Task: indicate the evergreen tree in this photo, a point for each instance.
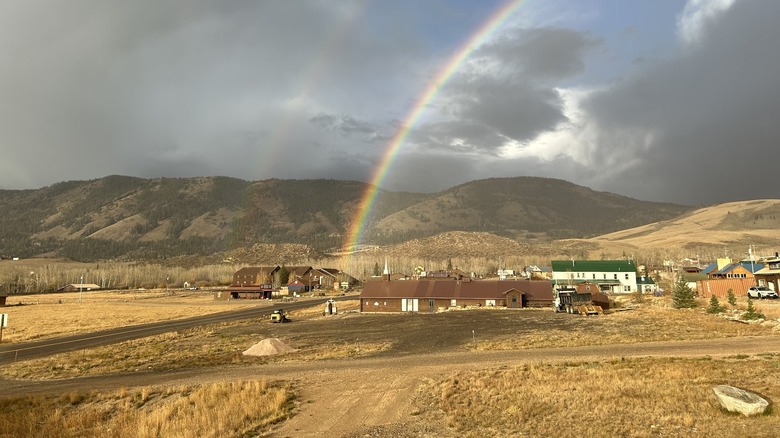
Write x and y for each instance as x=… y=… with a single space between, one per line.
x=449 y=264
x=284 y=275
x=715 y=306
x=682 y=295
x=751 y=312
x=376 y=269
x=731 y=297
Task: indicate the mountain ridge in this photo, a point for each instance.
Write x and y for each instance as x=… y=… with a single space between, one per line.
x=122 y=217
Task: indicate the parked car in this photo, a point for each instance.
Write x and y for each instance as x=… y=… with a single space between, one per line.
x=761 y=292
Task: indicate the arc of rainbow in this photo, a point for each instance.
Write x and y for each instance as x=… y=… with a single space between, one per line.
x=275 y=145
x=477 y=39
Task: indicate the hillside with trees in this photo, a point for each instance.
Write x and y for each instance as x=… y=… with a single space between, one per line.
x=128 y=218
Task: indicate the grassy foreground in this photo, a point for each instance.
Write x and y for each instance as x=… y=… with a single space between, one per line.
x=620 y=398
x=215 y=410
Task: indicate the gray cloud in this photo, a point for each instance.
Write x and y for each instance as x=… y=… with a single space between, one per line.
x=541 y=54
x=311 y=89
x=461 y=136
x=700 y=127
x=347 y=126
x=509 y=84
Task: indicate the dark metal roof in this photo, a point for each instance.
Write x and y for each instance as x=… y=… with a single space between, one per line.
x=255 y=270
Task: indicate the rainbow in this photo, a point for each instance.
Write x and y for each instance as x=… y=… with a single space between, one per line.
x=366 y=205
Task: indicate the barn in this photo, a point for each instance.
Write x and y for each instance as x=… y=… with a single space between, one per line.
x=430 y=296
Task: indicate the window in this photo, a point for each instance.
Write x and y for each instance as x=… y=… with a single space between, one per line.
x=453 y=303
x=626 y=288
x=626 y=276
x=594 y=276
x=615 y=276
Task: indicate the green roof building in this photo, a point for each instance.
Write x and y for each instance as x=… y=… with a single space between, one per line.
x=612 y=276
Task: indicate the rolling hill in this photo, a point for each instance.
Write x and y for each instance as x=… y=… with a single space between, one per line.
x=120 y=217
x=727 y=228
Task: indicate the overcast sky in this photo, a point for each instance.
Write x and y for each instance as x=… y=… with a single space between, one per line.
x=668 y=100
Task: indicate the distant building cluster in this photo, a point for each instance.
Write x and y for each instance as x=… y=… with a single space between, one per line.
x=266 y=282
x=435 y=291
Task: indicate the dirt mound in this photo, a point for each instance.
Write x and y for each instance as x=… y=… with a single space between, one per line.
x=268 y=347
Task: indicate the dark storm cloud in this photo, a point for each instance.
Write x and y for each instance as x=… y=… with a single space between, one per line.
x=311 y=89
x=508 y=84
x=701 y=127
x=462 y=136
x=541 y=54
x=98 y=88
x=514 y=109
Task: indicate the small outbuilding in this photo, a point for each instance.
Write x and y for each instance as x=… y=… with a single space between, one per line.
x=79 y=287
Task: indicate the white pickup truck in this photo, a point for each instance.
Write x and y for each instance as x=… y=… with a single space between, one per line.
x=761 y=292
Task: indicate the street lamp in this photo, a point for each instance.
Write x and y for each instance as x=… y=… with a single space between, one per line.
x=81 y=286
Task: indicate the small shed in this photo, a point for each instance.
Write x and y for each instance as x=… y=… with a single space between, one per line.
x=79 y=287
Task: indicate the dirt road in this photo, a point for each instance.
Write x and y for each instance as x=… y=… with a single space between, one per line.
x=373 y=396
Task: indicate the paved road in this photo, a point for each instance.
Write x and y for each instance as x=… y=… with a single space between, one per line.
x=31 y=350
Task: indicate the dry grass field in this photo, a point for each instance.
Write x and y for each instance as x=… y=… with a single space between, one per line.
x=632 y=397
x=351 y=335
x=213 y=410
x=645 y=397
x=40 y=316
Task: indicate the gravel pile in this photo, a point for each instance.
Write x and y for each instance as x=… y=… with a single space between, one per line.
x=268 y=347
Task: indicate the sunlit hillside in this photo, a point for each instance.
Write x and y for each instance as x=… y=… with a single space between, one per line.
x=732 y=226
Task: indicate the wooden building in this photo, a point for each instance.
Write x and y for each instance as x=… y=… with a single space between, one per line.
x=79 y=287
x=430 y=296
x=252 y=282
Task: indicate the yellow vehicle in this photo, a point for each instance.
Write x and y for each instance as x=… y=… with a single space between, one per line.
x=279 y=316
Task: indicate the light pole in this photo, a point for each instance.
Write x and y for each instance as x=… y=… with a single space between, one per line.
x=81 y=286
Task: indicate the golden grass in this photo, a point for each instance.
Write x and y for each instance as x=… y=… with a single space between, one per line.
x=347 y=306
x=205 y=346
x=46 y=316
x=644 y=324
x=636 y=397
x=702 y=225
x=214 y=410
